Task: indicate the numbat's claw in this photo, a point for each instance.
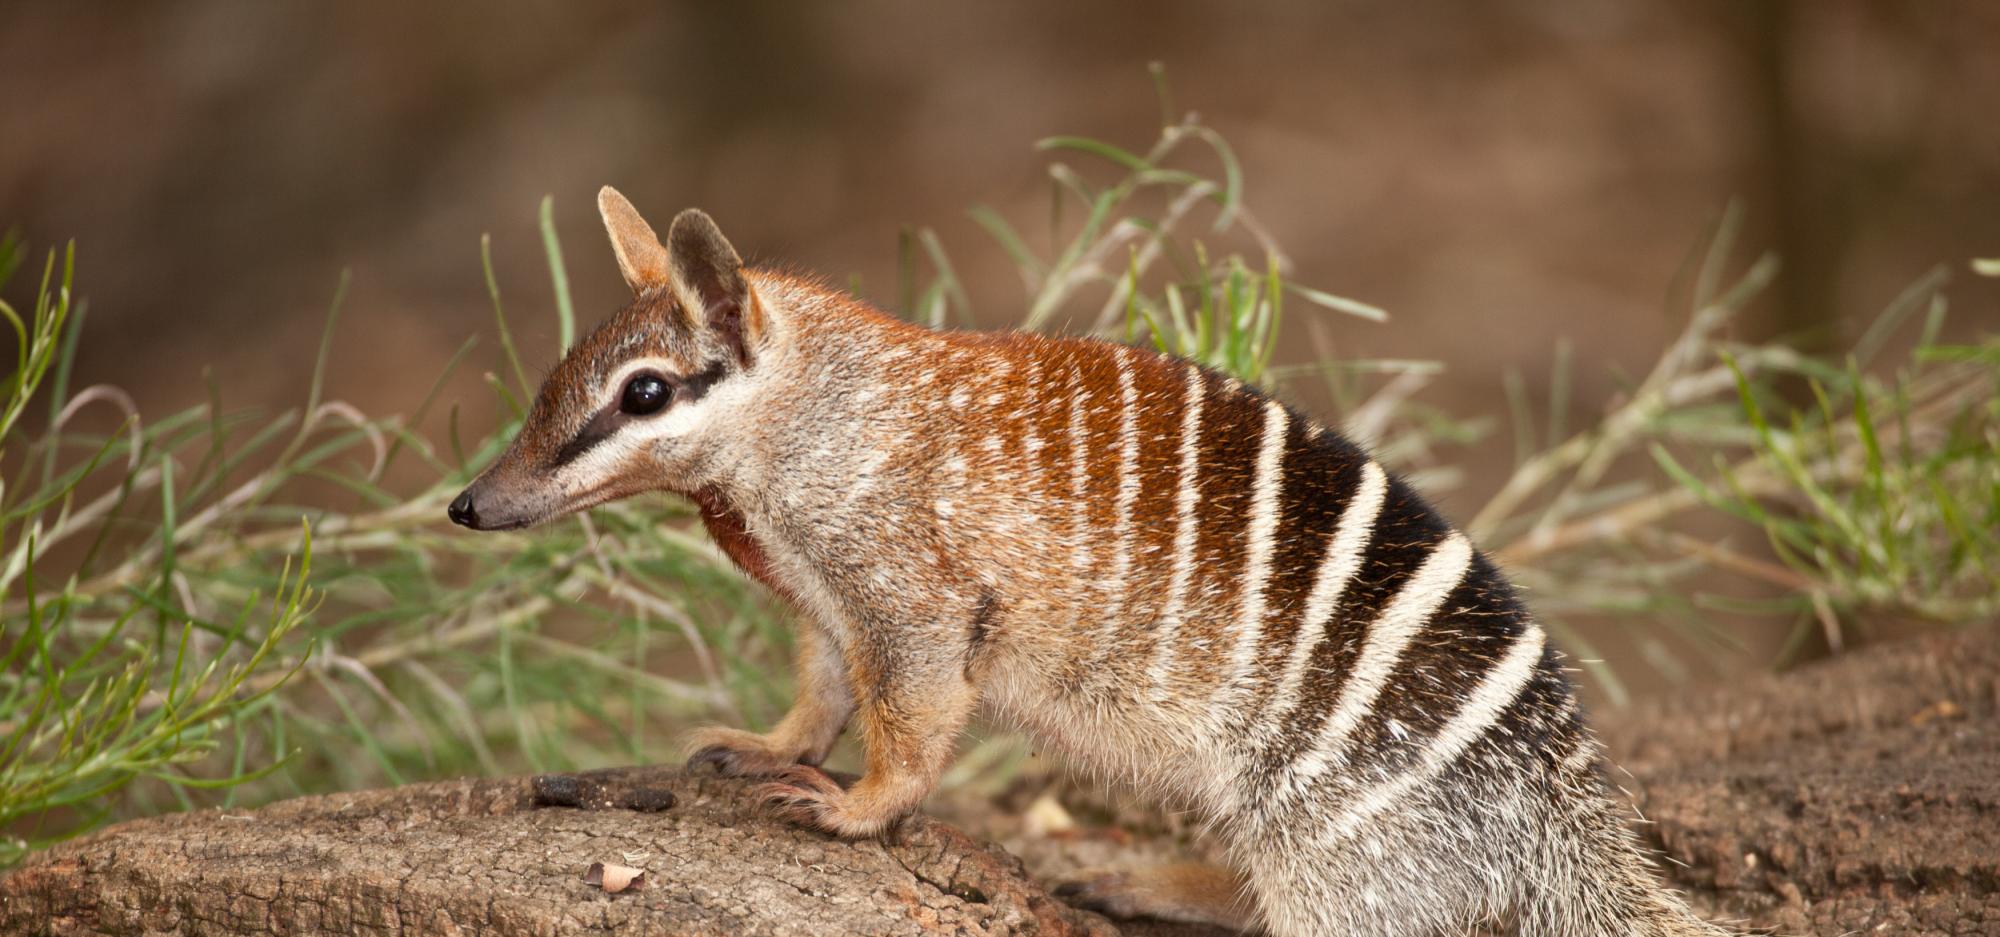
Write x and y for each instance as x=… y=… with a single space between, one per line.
x=722 y=758
x=803 y=795
x=793 y=805
x=736 y=761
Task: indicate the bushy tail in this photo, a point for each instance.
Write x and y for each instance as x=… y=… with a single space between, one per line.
x=1604 y=884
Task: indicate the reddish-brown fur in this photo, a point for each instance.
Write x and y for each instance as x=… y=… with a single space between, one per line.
x=725 y=525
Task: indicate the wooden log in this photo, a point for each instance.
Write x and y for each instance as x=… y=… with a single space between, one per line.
x=1856 y=796
x=509 y=856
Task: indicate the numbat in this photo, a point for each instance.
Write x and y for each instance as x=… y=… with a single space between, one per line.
x=1170 y=577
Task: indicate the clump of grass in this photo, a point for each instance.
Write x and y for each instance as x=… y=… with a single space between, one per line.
x=1883 y=493
x=100 y=690
x=137 y=556
x=1874 y=502
x=1143 y=239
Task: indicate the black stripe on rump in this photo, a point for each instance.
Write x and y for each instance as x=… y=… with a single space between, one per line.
x=1445 y=663
x=1527 y=739
x=1321 y=473
x=1405 y=534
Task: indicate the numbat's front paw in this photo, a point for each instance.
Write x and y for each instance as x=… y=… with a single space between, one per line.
x=809 y=797
x=735 y=753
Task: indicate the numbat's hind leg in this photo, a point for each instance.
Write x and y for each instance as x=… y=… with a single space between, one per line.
x=1189 y=892
x=910 y=722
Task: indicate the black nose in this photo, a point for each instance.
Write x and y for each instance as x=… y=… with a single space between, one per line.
x=461 y=511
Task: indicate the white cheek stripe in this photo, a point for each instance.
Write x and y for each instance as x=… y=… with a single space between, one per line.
x=613 y=456
x=679 y=420
x=603 y=462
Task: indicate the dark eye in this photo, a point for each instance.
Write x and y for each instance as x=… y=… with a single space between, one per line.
x=644 y=395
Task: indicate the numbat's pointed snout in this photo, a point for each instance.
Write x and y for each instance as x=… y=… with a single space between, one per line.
x=507 y=500
x=462 y=511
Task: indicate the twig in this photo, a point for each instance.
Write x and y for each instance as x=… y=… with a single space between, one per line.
x=1143 y=261
x=1725 y=558
x=1755 y=479
x=641 y=599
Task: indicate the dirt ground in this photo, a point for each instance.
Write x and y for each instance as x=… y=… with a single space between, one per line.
x=1857 y=797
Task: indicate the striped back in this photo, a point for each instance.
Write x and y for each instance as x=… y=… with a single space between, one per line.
x=1234 y=573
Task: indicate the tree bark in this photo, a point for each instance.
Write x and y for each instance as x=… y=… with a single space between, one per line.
x=1858 y=796
x=508 y=857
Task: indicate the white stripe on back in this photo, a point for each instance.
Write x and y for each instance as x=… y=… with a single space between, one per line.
x=1336 y=570
x=1388 y=635
x=1128 y=492
x=1185 y=500
x=1263 y=536
x=1502 y=685
x=1032 y=477
x=1585 y=754
x=1079 y=475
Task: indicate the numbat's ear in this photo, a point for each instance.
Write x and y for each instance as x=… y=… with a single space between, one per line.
x=709 y=278
x=640 y=257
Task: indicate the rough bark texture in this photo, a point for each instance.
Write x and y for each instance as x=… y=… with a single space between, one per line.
x=1861 y=796
x=493 y=857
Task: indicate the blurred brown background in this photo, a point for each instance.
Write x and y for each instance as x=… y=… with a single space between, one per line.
x=1496 y=175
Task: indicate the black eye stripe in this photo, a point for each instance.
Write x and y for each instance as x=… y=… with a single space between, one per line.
x=694 y=386
x=607 y=421
x=599 y=429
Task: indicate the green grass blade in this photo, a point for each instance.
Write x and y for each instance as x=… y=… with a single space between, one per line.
x=558 y=276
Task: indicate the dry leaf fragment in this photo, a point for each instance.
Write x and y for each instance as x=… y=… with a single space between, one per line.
x=1046 y=817
x=614 y=878
x=1942 y=709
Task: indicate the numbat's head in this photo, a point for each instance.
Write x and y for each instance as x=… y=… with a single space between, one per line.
x=626 y=410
